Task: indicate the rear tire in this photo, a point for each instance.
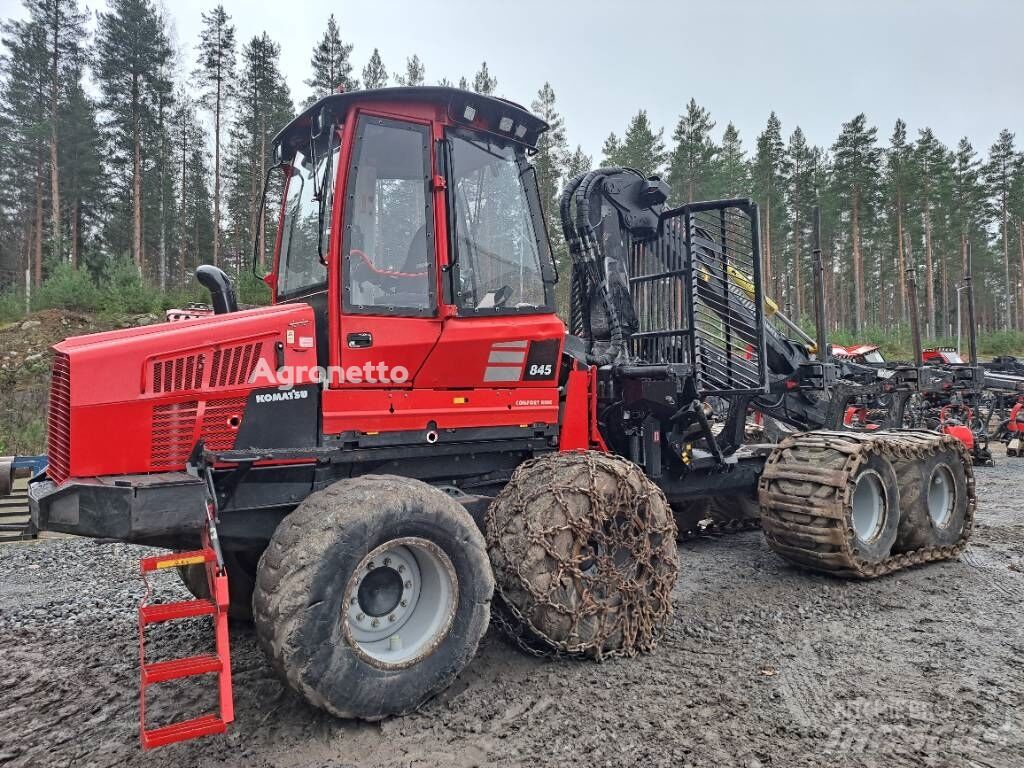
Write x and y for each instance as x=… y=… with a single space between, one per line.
x=875 y=514
x=933 y=498
x=241 y=568
x=373 y=596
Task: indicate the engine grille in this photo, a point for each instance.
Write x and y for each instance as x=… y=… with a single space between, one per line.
x=175 y=429
x=59 y=419
x=213 y=369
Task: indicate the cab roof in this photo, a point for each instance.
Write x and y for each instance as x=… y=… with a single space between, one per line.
x=485 y=113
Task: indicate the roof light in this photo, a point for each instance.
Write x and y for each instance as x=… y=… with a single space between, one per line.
x=505 y=124
x=520 y=131
x=469 y=114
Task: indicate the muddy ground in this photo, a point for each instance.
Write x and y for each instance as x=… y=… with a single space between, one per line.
x=765 y=666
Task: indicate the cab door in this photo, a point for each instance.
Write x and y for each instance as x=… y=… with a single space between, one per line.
x=389 y=313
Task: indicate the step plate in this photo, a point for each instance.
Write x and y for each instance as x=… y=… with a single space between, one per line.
x=174 y=669
x=186 y=729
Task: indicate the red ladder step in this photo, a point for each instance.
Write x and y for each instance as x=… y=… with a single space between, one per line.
x=162 y=671
x=186 y=729
x=152 y=614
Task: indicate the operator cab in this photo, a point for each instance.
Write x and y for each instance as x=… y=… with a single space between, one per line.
x=412 y=225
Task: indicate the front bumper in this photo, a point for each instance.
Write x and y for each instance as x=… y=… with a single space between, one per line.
x=123 y=507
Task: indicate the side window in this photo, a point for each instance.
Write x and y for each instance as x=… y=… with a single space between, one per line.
x=299 y=268
x=500 y=253
x=388 y=249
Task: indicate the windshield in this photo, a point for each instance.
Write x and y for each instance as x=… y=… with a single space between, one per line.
x=300 y=268
x=874 y=356
x=497 y=248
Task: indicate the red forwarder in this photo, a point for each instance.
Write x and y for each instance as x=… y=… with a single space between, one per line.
x=343 y=515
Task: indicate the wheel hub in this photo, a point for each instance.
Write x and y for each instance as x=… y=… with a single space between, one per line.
x=868 y=506
x=400 y=602
x=940 y=496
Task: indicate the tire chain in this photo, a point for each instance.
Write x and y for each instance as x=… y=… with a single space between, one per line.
x=636 y=498
x=824 y=463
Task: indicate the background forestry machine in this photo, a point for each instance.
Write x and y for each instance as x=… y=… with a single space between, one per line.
x=472 y=449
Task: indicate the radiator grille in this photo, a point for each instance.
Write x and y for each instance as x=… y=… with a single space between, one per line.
x=173 y=434
x=59 y=419
x=174 y=429
x=220 y=422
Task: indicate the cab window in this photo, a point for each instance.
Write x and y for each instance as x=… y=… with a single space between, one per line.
x=502 y=261
x=300 y=269
x=388 y=248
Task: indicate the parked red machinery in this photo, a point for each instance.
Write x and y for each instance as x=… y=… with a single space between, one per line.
x=462 y=446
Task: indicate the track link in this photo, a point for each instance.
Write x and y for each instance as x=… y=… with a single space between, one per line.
x=806 y=495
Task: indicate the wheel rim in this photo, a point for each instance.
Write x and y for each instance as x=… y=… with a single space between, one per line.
x=868 y=506
x=940 y=496
x=400 y=602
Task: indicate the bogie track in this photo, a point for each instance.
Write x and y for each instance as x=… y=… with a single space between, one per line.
x=814 y=516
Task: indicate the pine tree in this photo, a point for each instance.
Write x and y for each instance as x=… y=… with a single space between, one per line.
x=800 y=197
x=641 y=147
x=931 y=172
x=269 y=106
x=857 y=162
x=692 y=164
x=24 y=115
x=483 y=83
x=611 y=151
x=84 y=182
x=216 y=73
x=415 y=73
x=731 y=171
x=998 y=174
x=768 y=184
x=374 y=73
x=331 y=65
x=132 y=51
x=577 y=163
x=898 y=185
x=64 y=26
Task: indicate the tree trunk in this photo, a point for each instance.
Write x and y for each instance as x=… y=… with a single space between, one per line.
x=137 y=177
x=75 y=213
x=54 y=160
x=216 y=172
x=858 y=264
x=1006 y=267
x=37 y=255
x=263 y=211
x=1020 y=243
x=797 y=279
x=901 y=286
x=182 y=258
x=929 y=291
x=767 y=277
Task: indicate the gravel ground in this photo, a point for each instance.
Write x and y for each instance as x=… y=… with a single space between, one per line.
x=765 y=666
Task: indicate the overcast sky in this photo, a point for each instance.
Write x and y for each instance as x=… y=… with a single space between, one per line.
x=956 y=65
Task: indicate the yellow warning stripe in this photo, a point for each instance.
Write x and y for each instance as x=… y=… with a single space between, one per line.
x=177 y=561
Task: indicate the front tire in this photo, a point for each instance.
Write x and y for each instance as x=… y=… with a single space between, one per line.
x=373 y=596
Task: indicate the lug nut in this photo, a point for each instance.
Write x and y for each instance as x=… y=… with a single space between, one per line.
x=391 y=617
x=387 y=561
x=408 y=585
x=404 y=603
x=360 y=617
x=370 y=565
x=401 y=569
x=375 y=623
